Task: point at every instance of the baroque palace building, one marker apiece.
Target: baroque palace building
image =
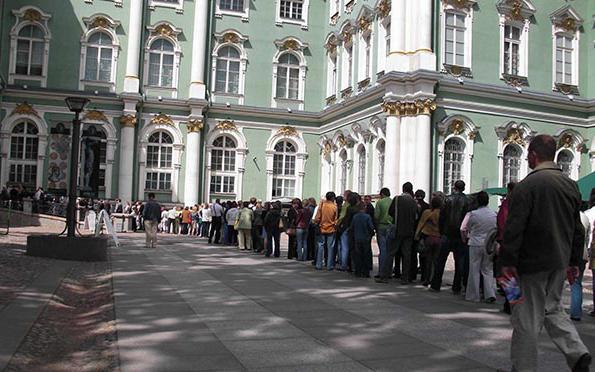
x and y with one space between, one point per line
199 99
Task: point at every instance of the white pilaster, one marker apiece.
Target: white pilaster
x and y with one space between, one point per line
392 153
131 80
420 30
423 150
199 45
192 168
126 162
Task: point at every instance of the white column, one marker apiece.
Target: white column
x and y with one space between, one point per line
423 157
125 170
420 30
397 60
199 52
392 154
407 150
131 80
192 167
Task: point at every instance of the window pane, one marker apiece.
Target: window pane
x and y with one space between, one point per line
105 68
281 82
167 71
217 160
91 63
152 156
153 69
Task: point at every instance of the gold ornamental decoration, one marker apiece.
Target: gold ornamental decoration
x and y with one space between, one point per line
347 36
341 141
457 127
226 125
164 30
100 22
194 125
472 135
328 147
383 8
230 37
516 10
569 24
287 131
291 44
514 135
415 108
566 141
162 119
32 15
95 115
459 4
363 23
24 109
128 121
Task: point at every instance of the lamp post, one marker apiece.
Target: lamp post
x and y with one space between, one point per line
76 105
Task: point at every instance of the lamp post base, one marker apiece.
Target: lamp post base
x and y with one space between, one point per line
68 248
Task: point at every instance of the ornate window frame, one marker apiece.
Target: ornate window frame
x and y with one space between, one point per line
226 128
383 34
163 30
244 15
343 144
462 7
160 122
25 16
347 59
235 39
513 134
295 47
23 112
292 135
332 67
378 129
99 23
463 129
516 14
572 141
566 22
326 158
178 6
365 48
279 21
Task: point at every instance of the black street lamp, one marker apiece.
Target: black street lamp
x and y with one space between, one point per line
76 105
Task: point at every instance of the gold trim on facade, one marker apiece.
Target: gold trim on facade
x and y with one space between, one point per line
457 127
100 22
383 8
287 131
163 29
194 125
410 52
128 121
95 115
162 119
226 125
415 108
32 15
230 37
459 4
514 135
24 109
291 44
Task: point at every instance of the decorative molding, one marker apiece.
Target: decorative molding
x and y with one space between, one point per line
230 36
226 125
128 121
327 148
362 85
162 119
194 125
334 18
515 80
32 15
349 6
290 43
566 88
330 100
457 71
460 4
415 108
95 115
164 29
101 21
346 92
287 131
24 109
516 10
457 127
515 135
567 18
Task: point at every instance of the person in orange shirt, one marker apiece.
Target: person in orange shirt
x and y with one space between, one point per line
326 219
185 220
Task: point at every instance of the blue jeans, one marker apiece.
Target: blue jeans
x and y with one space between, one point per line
302 244
381 238
344 250
576 295
329 241
225 234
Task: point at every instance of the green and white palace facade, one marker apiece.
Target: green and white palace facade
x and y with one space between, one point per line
202 99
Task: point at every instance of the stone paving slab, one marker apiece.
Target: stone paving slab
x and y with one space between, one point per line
18 316
262 314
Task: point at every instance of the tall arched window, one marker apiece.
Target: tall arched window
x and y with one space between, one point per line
331 79
454 157
159 161
227 78
288 77
343 171
24 143
30 49
368 56
223 165
161 63
564 160
512 164
349 55
98 61
284 172
380 147
361 170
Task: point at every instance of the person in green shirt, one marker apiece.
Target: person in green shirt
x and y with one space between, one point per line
383 221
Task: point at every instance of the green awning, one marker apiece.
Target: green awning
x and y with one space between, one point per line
501 191
585 185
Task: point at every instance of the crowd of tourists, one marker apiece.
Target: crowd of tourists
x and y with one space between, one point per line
540 236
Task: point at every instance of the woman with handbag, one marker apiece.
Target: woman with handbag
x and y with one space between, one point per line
428 234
